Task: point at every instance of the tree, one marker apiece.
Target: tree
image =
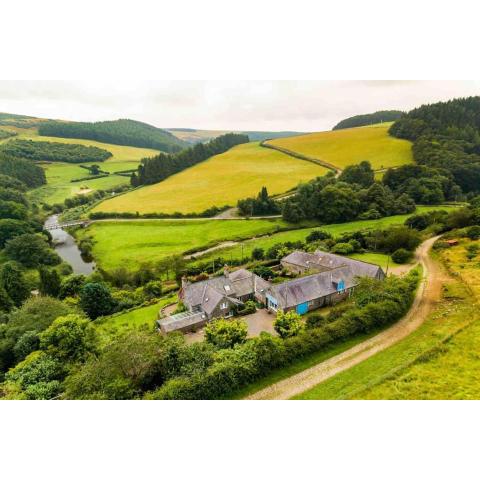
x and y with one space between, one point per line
71 286
31 251
314 320
318 235
474 232
226 333
26 344
287 324
258 253
49 281
96 300
69 339
11 228
361 174
153 289
291 211
264 272
401 255
13 282
13 210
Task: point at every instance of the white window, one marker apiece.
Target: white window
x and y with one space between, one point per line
224 306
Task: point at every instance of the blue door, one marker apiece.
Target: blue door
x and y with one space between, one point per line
302 309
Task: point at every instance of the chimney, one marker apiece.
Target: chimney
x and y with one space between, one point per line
225 270
185 282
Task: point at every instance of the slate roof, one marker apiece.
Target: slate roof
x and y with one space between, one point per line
208 293
305 289
180 320
322 261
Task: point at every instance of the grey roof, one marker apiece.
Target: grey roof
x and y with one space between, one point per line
180 320
304 259
321 261
359 268
238 283
305 289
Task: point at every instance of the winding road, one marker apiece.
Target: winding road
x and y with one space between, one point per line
428 294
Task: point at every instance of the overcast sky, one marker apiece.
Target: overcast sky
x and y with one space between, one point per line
243 105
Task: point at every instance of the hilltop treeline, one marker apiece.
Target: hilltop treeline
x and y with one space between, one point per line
117 132
446 138
54 151
369 119
24 170
156 169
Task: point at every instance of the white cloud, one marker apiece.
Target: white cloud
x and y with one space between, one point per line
241 105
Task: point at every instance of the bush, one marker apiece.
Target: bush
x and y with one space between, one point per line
343 248
314 320
287 324
226 333
402 256
473 232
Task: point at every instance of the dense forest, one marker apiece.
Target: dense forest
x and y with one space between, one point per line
446 138
354 195
117 132
54 152
369 119
24 170
156 169
6 134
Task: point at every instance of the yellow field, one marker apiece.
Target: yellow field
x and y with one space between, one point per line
350 146
221 180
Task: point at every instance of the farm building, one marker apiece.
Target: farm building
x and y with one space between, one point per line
302 262
213 298
332 279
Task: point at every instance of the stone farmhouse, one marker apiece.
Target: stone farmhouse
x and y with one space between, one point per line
326 279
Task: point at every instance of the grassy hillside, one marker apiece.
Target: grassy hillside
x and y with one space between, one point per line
350 146
220 180
193 135
117 132
438 361
59 174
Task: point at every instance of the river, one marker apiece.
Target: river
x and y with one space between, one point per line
66 247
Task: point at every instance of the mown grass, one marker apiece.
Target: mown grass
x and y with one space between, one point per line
336 230
440 360
221 180
351 146
127 244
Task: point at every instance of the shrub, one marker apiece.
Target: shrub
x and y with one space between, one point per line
401 255
314 320
473 232
226 333
343 248
287 324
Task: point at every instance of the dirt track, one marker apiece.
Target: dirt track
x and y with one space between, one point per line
428 294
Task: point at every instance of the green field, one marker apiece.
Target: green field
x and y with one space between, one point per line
338 229
350 146
221 180
127 243
440 360
58 174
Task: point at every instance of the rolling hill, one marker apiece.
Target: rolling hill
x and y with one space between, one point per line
351 146
221 180
192 135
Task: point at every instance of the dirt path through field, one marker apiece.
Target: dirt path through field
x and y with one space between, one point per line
428 294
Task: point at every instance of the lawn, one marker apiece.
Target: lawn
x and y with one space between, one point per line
221 180
143 317
128 243
245 249
350 146
440 360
